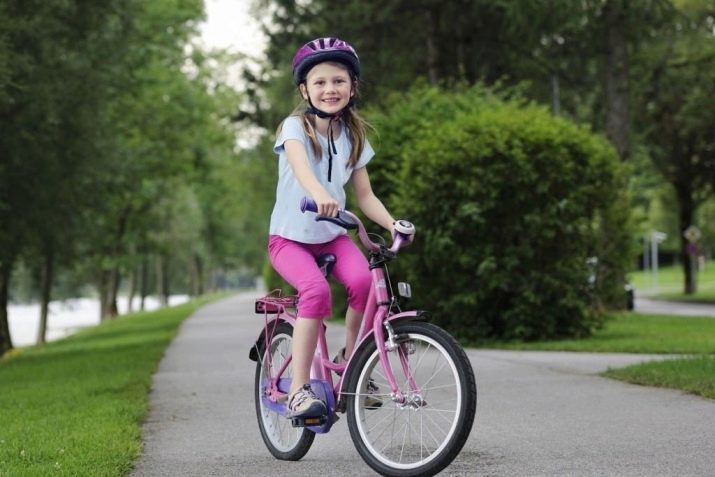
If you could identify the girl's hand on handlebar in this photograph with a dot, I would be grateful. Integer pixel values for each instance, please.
(327, 206)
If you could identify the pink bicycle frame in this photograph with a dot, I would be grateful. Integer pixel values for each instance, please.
(375, 318)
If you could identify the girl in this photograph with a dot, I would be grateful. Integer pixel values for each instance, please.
(320, 149)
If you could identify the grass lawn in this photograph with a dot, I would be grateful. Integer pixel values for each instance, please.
(635, 333)
(75, 406)
(695, 374)
(669, 284)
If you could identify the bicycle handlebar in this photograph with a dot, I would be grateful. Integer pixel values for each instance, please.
(348, 220)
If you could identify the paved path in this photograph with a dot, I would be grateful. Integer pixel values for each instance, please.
(539, 414)
(649, 305)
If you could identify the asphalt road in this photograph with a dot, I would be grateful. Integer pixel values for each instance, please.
(649, 305)
(539, 414)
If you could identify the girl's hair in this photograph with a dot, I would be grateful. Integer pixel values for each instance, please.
(356, 129)
(355, 124)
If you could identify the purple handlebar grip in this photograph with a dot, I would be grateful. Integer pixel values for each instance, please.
(308, 204)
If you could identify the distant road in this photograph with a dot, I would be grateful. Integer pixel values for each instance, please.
(648, 305)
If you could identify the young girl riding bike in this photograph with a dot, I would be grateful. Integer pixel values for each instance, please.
(320, 148)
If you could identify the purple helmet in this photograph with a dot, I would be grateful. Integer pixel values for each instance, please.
(324, 49)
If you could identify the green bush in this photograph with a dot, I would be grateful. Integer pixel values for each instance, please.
(403, 121)
(509, 202)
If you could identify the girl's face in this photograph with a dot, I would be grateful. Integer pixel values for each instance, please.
(329, 87)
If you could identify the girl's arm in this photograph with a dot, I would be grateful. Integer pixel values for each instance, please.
(368, 202)
(298, 160)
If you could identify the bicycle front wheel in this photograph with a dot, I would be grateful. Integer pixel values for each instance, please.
(283, 440)
(423, 434)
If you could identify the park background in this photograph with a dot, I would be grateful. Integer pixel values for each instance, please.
(543, 149)
(548, 152)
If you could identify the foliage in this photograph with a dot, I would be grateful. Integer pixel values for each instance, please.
(399, 123)
(509, 203)
(112, 120)
(673, 81)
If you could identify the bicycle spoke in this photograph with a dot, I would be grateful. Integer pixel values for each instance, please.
(415, 436)
(429, 417)
(404, 436)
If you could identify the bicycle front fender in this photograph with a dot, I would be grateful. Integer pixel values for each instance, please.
(270, 324)
(412, 315)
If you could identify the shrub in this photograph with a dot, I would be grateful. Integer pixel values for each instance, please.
(509, 202)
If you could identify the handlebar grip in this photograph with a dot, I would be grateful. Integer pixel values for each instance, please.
(308, 204)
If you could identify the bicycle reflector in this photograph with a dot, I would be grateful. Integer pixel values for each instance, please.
(404, 290)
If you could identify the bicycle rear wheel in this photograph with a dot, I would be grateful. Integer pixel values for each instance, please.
(283, 440)
(425, 433)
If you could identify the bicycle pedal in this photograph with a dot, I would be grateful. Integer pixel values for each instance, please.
(307, 421)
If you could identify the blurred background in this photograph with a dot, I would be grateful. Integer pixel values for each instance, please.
(552, 154)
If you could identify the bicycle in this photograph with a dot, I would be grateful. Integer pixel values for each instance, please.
(408, 388)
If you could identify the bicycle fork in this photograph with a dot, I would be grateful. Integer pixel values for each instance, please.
(414, 398)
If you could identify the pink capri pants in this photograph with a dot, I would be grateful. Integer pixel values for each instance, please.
(295, 262)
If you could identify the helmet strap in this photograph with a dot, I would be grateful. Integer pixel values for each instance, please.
(331, 141)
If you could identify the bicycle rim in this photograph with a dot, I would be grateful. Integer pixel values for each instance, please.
(282, 439)
(424, 434)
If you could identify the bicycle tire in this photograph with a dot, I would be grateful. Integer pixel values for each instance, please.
(283, 440)
(381, 434)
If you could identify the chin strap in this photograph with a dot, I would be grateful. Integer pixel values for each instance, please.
(331, 141)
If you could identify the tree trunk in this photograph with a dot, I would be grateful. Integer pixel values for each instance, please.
(197, 276)
(102, 292)
(144, 288)
(431, 47)
(162, 280)
(555, 95)
(686, 212)
(617, 112)
(132, 289)
(111, 309)
(45, 293)
(112, 291)
(5, 339)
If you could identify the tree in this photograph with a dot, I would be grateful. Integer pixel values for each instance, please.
(676, 74)
(101, 123)
(51, 85)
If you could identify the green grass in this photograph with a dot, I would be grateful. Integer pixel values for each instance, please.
(636, 333)
(670, 282)
(677, 334)
(652, 334)
(694, 375)
(75, 406)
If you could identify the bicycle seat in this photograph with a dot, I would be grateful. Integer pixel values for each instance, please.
(326, 262)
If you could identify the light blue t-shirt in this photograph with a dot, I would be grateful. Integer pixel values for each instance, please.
(287, 220)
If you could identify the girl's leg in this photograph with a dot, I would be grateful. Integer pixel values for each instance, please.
(353, 318)
(295, 262)
(305, 340)
(351, 269)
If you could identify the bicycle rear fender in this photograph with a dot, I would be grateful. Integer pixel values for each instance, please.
(271, 323)
(413, 315)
